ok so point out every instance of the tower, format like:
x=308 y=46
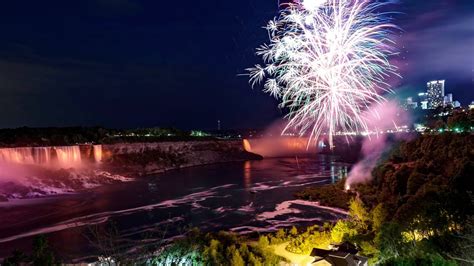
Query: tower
x=435 y=94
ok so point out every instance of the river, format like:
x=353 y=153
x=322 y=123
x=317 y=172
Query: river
x=252 y=196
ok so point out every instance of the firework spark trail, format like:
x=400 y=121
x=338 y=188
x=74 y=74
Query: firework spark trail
x=327 y=62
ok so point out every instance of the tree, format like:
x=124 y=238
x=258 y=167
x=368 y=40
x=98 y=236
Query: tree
x=213 y=253
x=253 y=260
x=341 y=231
x=263 y=242
x=379 y=216
x=280 y=234
x=42 y=255
x=236 y=259
x=293 y=231
x=415 y=181
x=358 y=213
x=390 y=241
x=244 y=250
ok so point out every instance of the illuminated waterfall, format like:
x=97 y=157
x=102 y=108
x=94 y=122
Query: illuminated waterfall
x=68 y=155
x=27 y=155
x=97 y=153
x=279 y=146
x=62 y=156
x=42 y=155
x=247 y=146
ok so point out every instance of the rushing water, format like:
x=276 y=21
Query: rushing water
x=255 y=196
x=63 y=156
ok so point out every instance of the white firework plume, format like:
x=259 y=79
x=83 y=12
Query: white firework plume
x=327 y=61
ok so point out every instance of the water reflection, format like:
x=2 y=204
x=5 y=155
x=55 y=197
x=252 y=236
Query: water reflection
x=338 y=174
x=247 y=174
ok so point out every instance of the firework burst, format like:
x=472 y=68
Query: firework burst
x=327 y=61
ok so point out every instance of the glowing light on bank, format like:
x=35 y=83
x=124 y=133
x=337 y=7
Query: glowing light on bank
x=327 y=61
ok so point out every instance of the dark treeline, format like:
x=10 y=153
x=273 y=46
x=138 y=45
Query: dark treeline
x=57 y=136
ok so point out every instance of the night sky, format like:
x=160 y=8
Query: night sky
x=131 y=63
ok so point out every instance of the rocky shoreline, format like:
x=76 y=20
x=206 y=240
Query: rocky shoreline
x=142 y=159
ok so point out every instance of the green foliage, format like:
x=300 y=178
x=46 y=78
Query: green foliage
x=293 y=231
x=370 y=250
x=263 y=242
x=358 y=214
x=236 y=259
x=389 y=241
x=304 y=242
x=419 y=259
x=342 y=230
x=333 y=195
x=379 y=215
x=217 y=249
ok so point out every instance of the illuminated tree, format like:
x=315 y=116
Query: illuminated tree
x=379 y=216
x=358 y=214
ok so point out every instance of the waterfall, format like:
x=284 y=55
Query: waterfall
x=42 y=155
x=68 y=155
x=247 y=146
x=98 y=153
x=26 y=155
x=62 y=156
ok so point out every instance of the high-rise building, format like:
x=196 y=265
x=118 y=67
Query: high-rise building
x=435 y=94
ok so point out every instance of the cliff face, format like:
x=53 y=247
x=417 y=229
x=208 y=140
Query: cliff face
x=152 y=158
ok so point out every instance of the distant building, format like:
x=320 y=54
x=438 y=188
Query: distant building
x=423 y=97
x=448 y=100
x=435 y=94
x=410 y=104
x=471 y=106
x=456 y=104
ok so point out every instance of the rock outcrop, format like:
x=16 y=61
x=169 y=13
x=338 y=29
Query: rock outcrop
x=152 y=158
